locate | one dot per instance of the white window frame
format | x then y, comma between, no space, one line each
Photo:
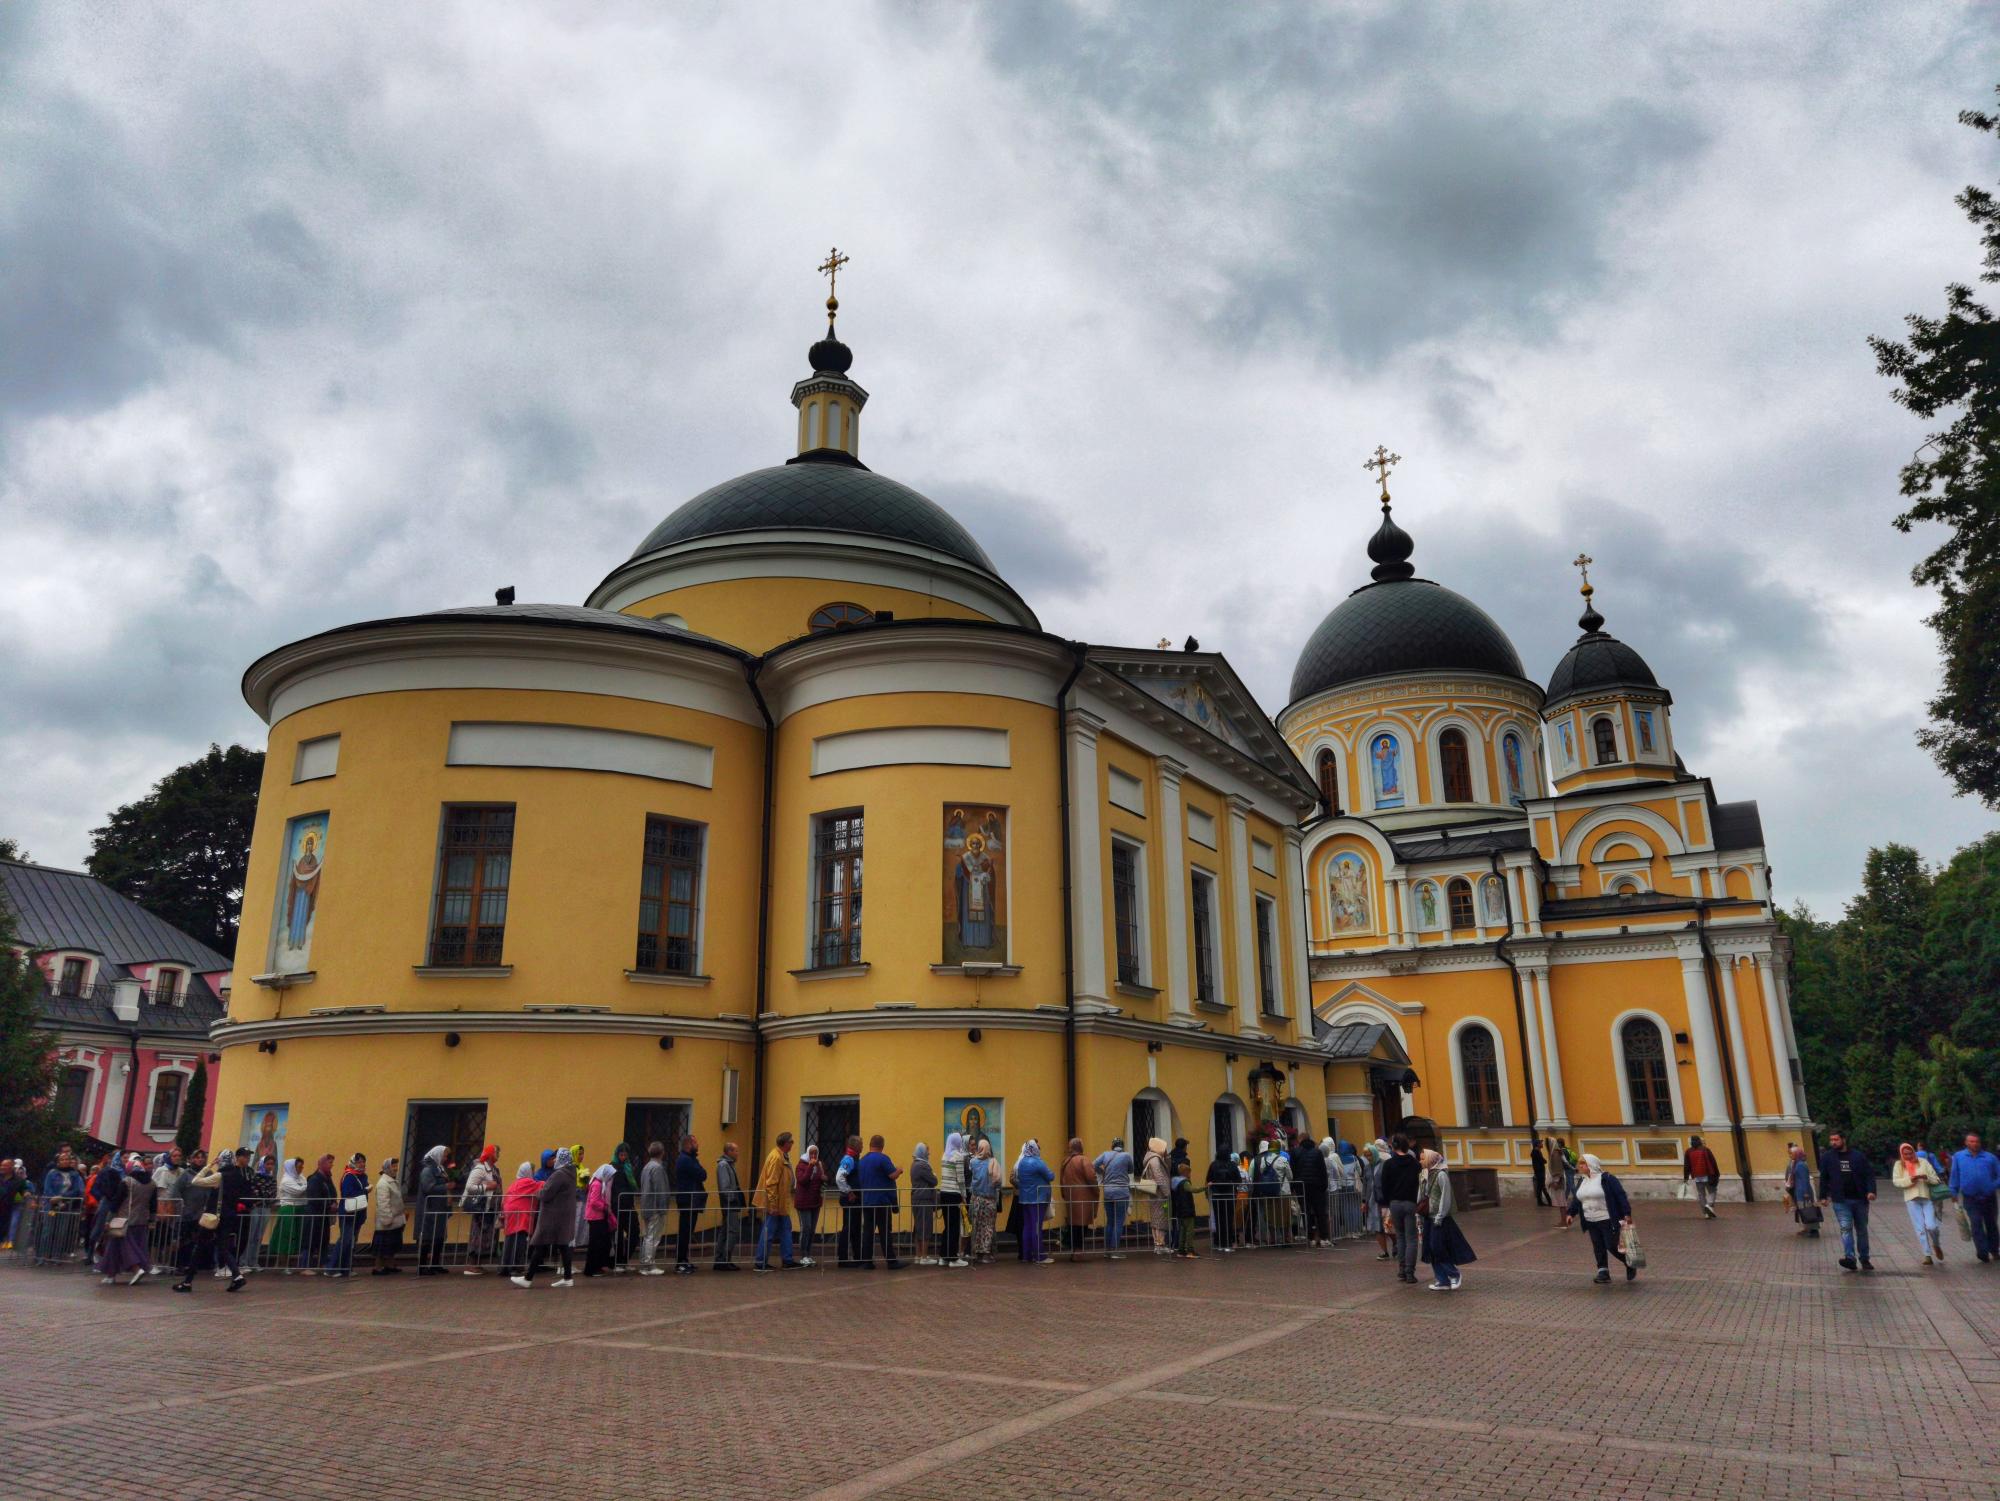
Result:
1142,900
1263,907
160,1071
1218,981
1500,1070
1624,1075
180,990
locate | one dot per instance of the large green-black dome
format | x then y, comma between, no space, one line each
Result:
819,494
1402,625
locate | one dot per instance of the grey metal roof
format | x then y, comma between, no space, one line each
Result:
1447,846
1596,663
66,909
1358,1040
583,617
1402,625
1738,826
818,494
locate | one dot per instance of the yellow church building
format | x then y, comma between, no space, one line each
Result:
802,822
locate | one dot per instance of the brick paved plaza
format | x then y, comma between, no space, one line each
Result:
1743,1364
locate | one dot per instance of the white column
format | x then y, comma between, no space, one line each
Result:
1392,920
1531,1041
1086,894
1746,1092
1174,882
1242,916
1707,1054
1538,980
1300,968
1777,1021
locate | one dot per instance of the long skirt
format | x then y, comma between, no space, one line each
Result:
284,1242
982,1226
125,1253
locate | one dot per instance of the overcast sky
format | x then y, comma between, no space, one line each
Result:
310,314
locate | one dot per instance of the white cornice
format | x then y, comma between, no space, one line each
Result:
1135,715
227,1034
935,657
1413,688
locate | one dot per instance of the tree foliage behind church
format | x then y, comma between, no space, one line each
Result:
1897,1004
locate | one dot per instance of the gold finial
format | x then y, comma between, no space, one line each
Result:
830,269
1381,464
1582,563
1164,644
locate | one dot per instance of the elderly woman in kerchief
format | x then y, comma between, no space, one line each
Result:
1600,1202
1445,1245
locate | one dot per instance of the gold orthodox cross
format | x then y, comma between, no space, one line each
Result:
1381,464
1582,563
830,269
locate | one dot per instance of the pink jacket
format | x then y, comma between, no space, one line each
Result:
595,1205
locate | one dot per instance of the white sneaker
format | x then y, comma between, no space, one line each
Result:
651,1271
563,1282
520,1281
106,1281
220,1275
808,1261
473,1271
137,1277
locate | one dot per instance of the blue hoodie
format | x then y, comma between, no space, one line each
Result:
1032,1177
1975,1173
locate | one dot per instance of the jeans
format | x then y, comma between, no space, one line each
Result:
1980,1209
13,1222
1853,1217
808,1228
948,1206
253,1234
1704,1195
1603,1242
728,1235
780,1226
1221,1223
1403,1215
1115,1211
1923,1220
1542,1186
340,1255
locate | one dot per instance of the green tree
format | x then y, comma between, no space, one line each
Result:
1821,1017
29,1125
1949,370
1952,1098
10,849
181,850
1880,966
188,1135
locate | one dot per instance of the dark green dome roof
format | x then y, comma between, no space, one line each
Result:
1598,662
1402,625
833,494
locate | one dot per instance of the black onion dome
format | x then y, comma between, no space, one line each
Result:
831,494
1401,625
830,356
1598,663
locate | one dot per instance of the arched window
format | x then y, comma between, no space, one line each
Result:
1604,740
832,617
1457,767
1480,1069
1458,896
1329,781
1646,1072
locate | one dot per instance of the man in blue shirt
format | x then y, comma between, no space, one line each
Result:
1847,1183
875,1175
1975,1183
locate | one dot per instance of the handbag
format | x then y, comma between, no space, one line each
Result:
355,1203
1635,1254
1811,1214
117,1225
209,1220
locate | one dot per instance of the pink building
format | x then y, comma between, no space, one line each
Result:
130,998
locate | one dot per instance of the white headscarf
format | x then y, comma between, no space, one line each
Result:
525,1170
1596,1167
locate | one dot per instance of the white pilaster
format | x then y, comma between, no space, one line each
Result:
1086,902
1174,882
1298,973
1242,915
1746,1093
1538,981
1392,920
1707,1052
1538,1069
1778,1022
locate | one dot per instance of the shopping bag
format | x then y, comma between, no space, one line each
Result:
1635,1254
1964,1223
1685,1191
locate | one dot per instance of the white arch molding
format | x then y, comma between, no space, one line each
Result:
1624,1076
1478,746
1670,838
1406,742
1159,1097
1458,1070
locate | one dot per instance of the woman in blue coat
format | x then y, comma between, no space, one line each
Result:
1600,1201
1032,1178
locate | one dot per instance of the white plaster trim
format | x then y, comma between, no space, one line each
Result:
315,759
1572,846
934,658
1125,790
226,1034
911,745
1623,1075
575,747
1458,1071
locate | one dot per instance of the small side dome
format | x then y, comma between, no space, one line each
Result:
829,356
1598,663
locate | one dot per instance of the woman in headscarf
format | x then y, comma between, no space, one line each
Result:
600,1218
1600,1202
1222,1180
263,1180
808,1194
625,1201
923,1206
951,1196
1916,1178
1032,1178
481,1201
1799,1189
353,1208
1445,1245
1376,1207
390,1217
128,1229
1079,1198
984,1192
1344,1168
517,1220
1159,1206
555,1216
283,1249
548,1165
433,1212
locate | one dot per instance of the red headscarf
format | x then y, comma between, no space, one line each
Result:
490,1155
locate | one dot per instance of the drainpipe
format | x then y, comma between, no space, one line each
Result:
1520,1005
1078,650
131,1086
1716,1020
750,672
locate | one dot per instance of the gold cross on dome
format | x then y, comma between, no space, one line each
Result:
830,269
1582,563
1381,464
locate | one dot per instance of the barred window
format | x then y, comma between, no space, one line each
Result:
669,897
1125,909
837,889
1267,956
1646,1072
477,862
1480,1068
1202,892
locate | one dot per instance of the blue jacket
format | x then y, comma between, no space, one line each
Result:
57,1184
1829,1174
1032,1178
875,1176
1114,1171
1975,1173
690,1182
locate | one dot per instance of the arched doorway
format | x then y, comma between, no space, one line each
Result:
1151,1114
1422,1132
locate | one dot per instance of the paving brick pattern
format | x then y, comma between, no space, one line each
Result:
1744,1363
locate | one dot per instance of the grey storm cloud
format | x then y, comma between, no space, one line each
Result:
302,324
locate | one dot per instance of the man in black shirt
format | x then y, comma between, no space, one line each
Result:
1538,1164
1396,1191
1847,1182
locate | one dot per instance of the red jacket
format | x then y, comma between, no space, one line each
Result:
1700,1163
517,1215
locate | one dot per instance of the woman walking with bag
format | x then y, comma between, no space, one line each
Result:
1799,1188
128,1230
1156,1183
1445,1245
1916,1178
1601,1203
